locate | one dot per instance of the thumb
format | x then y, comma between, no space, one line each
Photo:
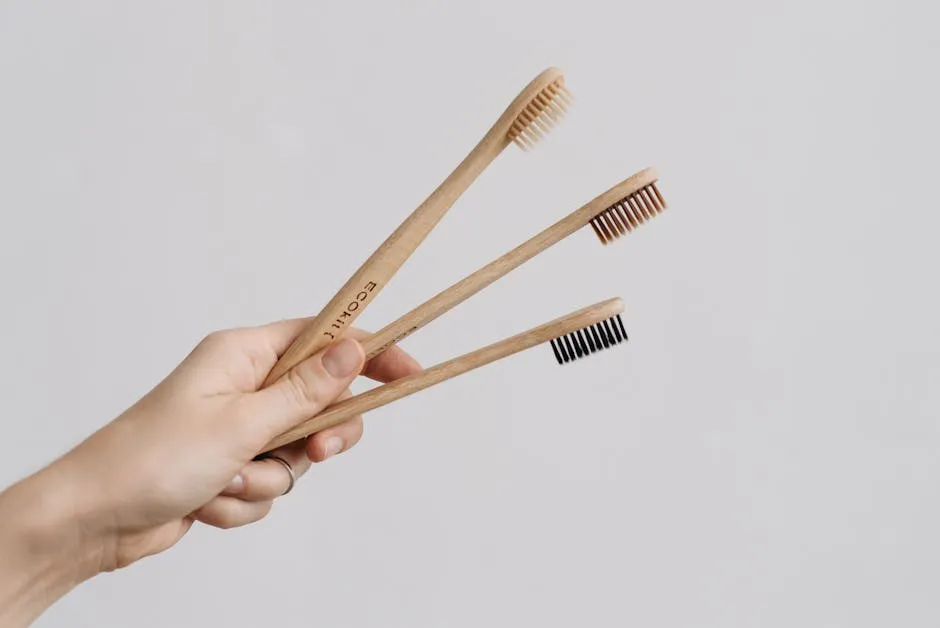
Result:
306,389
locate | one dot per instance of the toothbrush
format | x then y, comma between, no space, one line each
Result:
527,120
577,335
616,212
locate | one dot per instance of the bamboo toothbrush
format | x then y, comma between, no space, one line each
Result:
614,213
576,335
527,119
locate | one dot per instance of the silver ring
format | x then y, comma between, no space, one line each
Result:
286,465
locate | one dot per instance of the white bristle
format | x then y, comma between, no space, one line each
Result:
541,115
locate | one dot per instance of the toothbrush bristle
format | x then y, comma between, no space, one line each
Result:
629,213
588,340
541,114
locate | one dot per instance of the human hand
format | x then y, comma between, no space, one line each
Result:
184,452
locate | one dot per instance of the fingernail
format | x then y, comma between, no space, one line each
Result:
342,359
334,445
236,486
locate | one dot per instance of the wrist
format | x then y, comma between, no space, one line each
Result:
45,547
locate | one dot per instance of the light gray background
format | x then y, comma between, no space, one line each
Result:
763,453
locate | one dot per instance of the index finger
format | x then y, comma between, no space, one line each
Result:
393,363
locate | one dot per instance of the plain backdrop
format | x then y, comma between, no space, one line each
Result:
763,452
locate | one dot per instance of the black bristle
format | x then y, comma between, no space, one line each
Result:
577,345
597,338
565,356
616,330
557,355
591,339
569,347
622,329
584,348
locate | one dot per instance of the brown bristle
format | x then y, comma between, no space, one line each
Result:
629,213
541,114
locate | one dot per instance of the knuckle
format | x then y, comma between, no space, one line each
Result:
303,386
358,427
217,516
351,428
217,337
354,433
220,340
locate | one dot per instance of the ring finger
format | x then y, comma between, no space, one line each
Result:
266,479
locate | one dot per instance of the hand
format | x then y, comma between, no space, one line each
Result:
184,452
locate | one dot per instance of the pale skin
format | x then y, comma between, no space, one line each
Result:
182,454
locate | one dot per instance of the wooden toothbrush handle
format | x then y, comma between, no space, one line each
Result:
387,393
456,294
362,288
526,119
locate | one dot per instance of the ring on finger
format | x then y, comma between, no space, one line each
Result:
286,465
